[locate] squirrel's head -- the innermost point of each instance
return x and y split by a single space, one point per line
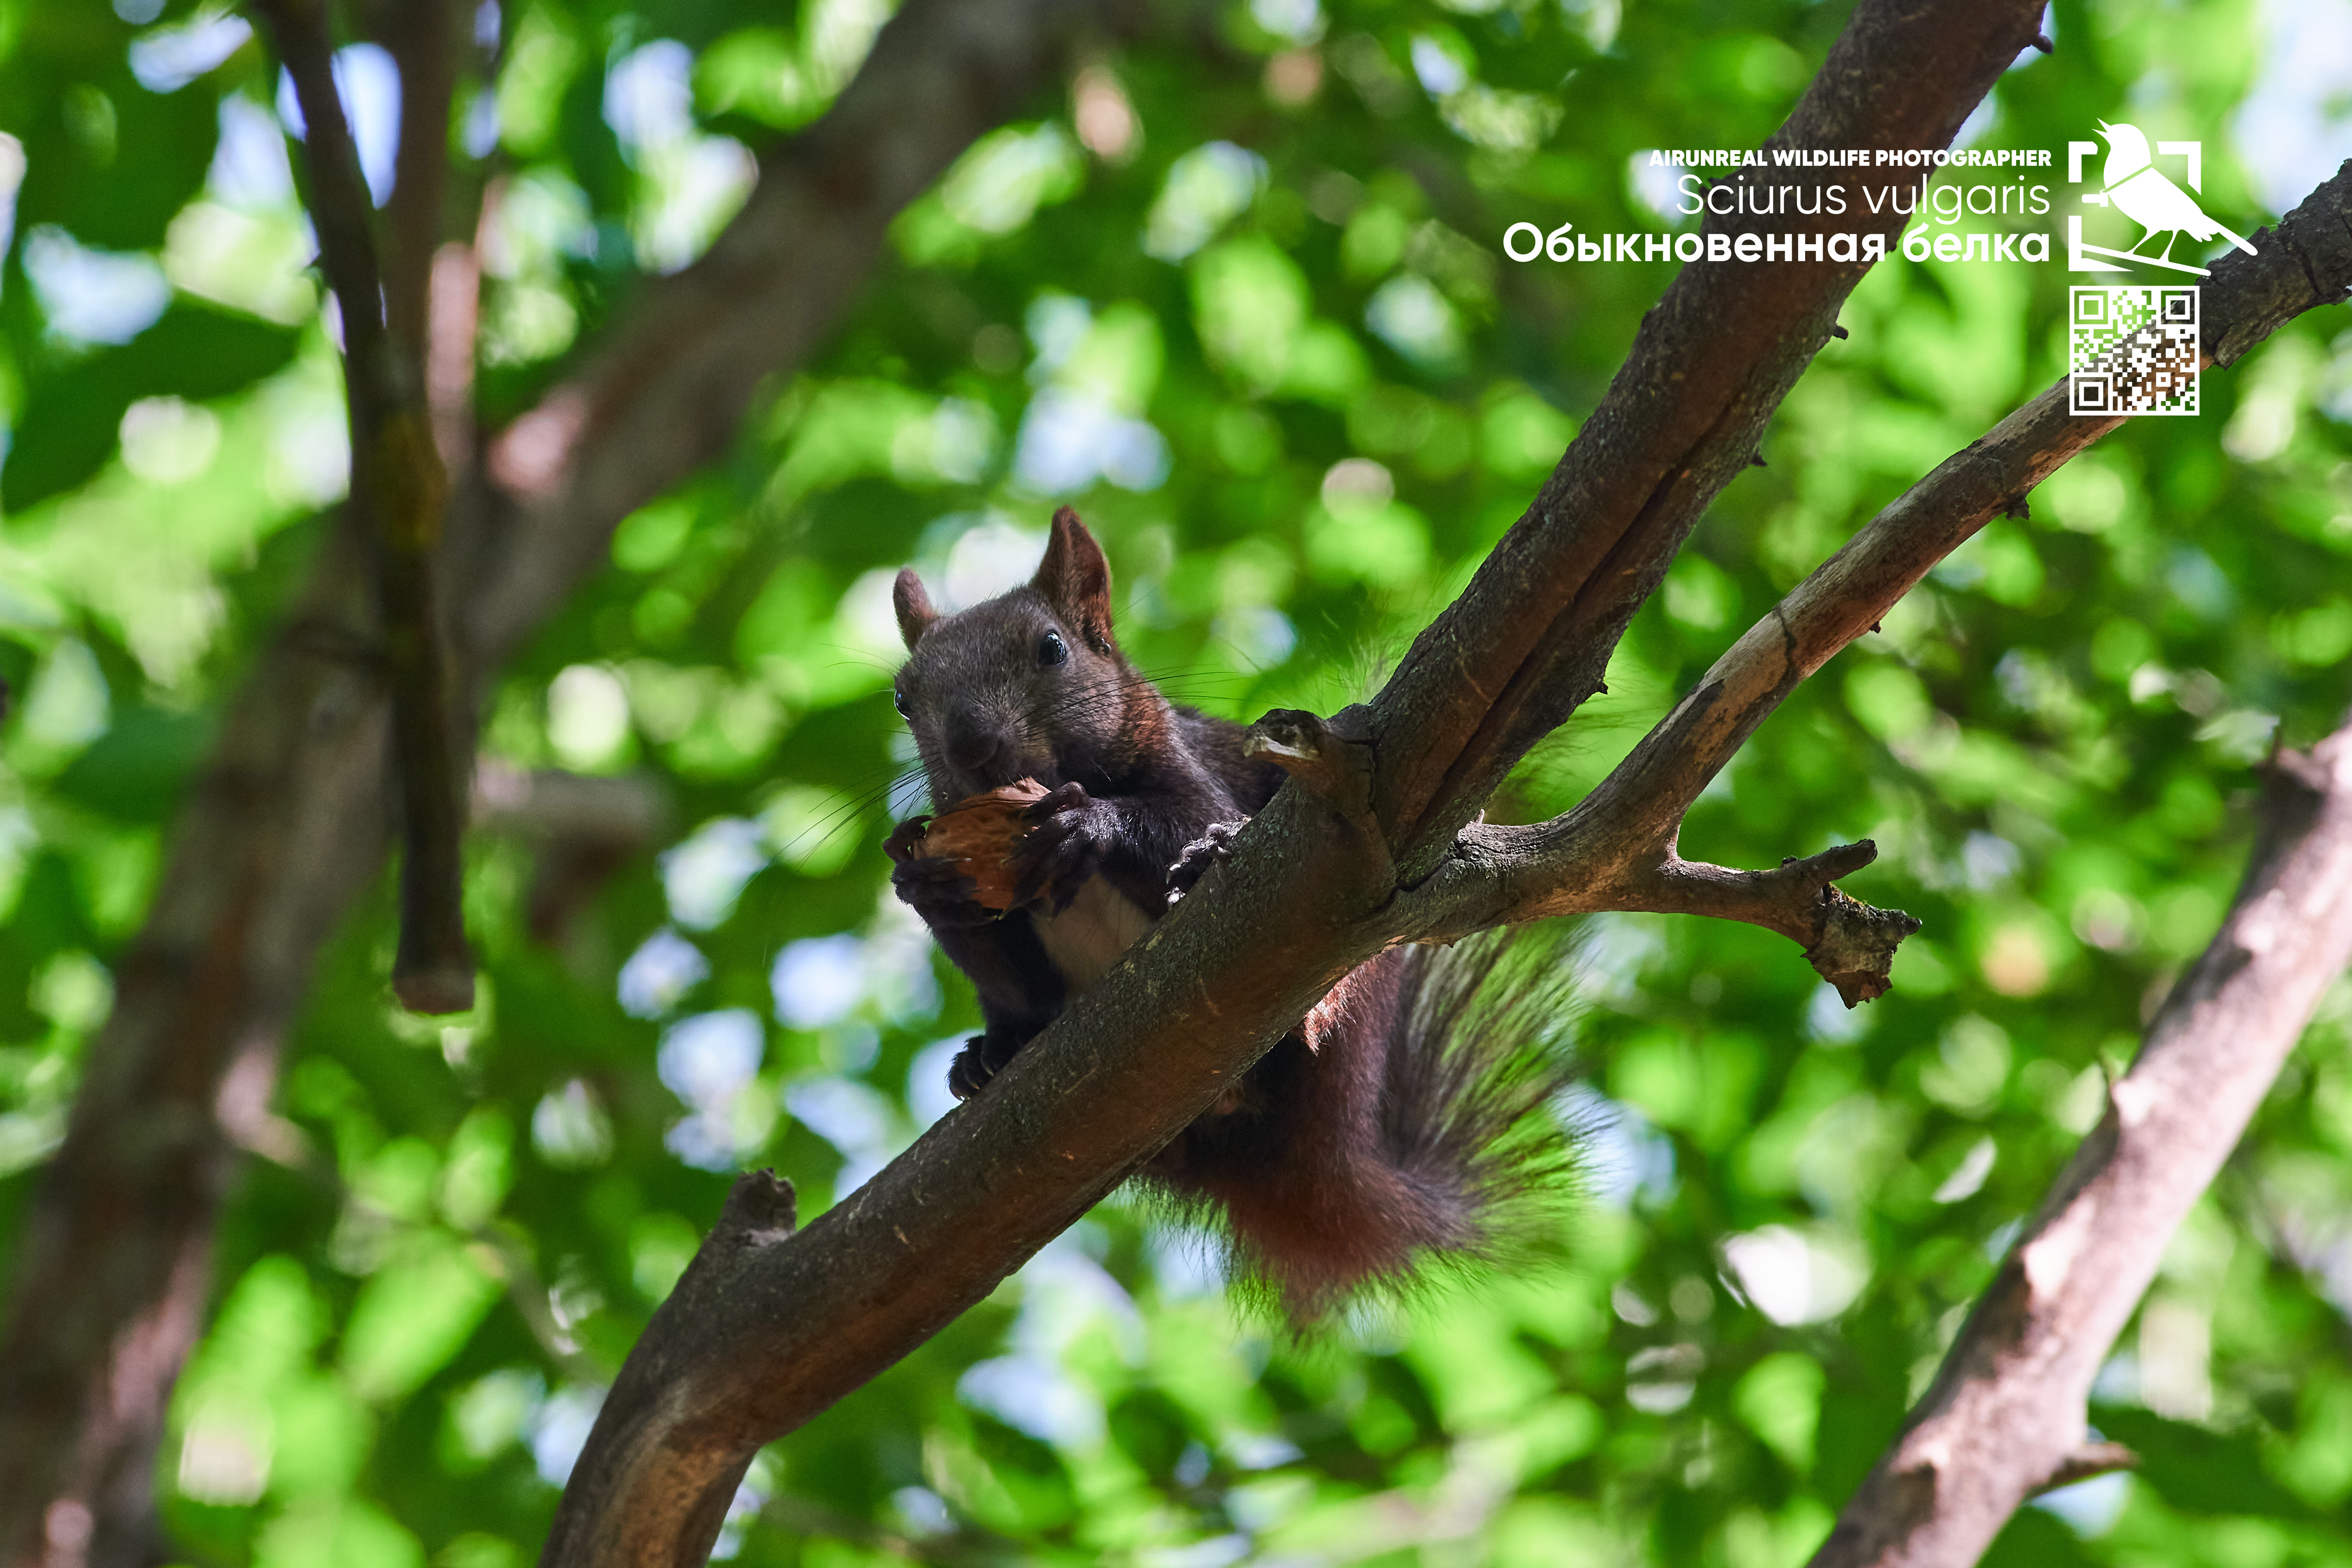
1026 685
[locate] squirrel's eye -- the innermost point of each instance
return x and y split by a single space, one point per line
898 701
1052 649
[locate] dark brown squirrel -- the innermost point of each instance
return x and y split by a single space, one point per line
1404 1121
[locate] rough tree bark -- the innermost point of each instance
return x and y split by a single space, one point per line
286 823
2005 1417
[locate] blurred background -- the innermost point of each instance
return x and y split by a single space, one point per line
1236 290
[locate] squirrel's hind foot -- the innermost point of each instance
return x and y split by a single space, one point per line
971 1069
1214 845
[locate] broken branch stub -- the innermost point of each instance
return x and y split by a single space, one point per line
1855 951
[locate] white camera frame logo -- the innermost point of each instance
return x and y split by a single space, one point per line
2131 183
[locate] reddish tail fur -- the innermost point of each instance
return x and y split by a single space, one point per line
1407 1121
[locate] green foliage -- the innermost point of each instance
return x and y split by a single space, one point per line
1243 298
72 416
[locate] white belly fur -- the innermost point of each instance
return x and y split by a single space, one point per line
1085 939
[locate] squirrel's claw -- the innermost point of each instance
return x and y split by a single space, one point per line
1070 797
970 1069
977 1062
1214 845
1056 858
905 841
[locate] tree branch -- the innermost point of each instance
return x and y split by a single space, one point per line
417 33
398 489
286 822
2004 1417
2087 1463
1527 642
1617 848
432 281
2305 262
1506 876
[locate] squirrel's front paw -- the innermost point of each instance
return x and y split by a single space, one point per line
1056 858
936 889
1211 848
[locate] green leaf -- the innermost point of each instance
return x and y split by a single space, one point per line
412 1316
110 161
71 417
2197 1468
135 771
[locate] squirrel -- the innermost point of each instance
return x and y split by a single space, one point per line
1405 1120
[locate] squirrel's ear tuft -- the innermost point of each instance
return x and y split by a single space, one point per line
913 605
1075 577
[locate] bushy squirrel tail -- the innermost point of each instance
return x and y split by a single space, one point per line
1409 1125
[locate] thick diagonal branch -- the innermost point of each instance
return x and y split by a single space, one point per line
398 493
2006 1412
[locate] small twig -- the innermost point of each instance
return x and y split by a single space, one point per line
1582 863
2087 1463
1328 764
433 283
1851 944
398 485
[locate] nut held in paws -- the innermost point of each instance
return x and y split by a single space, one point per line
979 834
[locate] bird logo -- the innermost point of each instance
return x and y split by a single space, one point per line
2132 184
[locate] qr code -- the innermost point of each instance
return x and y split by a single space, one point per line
2132 351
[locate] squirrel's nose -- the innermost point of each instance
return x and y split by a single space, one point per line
972 750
